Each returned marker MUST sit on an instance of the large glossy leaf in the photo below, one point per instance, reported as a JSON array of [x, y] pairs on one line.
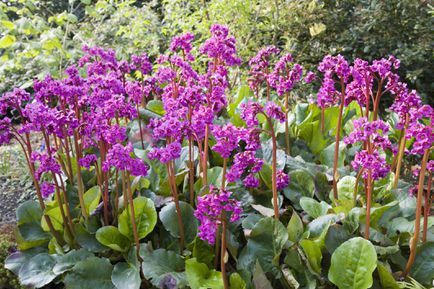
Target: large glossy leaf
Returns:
[[346, 186], [423, 267], [126, 276], [91, 273], [169, 218], [38, 271], [386, 278], [87, 240], [352, 264], [31, 234], [301, 185], [313, 208], [313, 254], [295, 228], [160, 265], [328, 154], [111, 237], [66, 262], [200, 277], [260, 279], [265, 244], [92, 198], [236, 282], [145, 217]]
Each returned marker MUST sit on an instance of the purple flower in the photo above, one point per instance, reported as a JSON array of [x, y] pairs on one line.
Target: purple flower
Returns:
[[259, 66], [327, 94], [310, 76], [183, 42], [119, 156], [249, 111], [371, 162], [141, 63], [5, 131], [274, 111], [209, 212], [221, 46], [227, 137], [285, 75], [282, 180], [47, 189], [165, 154], [245, 163], [46, 164], [373, 132], [87, 160], [423, 137], [13, 99]]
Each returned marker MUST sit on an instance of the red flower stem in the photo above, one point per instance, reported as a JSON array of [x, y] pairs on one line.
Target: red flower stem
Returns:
[[400, 154], [224, 173], [415, 240], [337, 140], [223, 252], [31, 166], [356, 186], [274, 168], [205, 158], [140, 127], [133, 216], [191, 163], [322, 119], [288, 148], [427, 208], [369, 185], [377, 100], [65, 220], [79, 178], [105, 196]]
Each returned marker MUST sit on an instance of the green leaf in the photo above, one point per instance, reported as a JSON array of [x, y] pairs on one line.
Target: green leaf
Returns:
[[359, 259], [386, 278], [423, 267], [236, 282], [202, 251], [7, 41], [87, 240], [200, 277], [313, 254], [295, 228], [125, 276], [336, 235], [156, 106], [145, 216], [160, 264], [7, 24], [38, 271], [328, 154], [314, 208], [260, 279], [92, 198], [169, 218], [66, 262], [91, 273], [112, 238], [265, 244], [30, 233], [316, 29], [345, 187], [301, 184]]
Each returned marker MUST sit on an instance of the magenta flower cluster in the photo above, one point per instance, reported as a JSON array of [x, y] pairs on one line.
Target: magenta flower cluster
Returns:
[[210, 209]]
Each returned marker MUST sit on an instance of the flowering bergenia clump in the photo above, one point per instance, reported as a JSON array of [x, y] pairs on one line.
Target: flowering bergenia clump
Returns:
[[375, 134], [91, 177], [210, 208]]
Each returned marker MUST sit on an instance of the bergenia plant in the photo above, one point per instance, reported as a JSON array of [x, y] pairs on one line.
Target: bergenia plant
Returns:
[[145, 171]]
